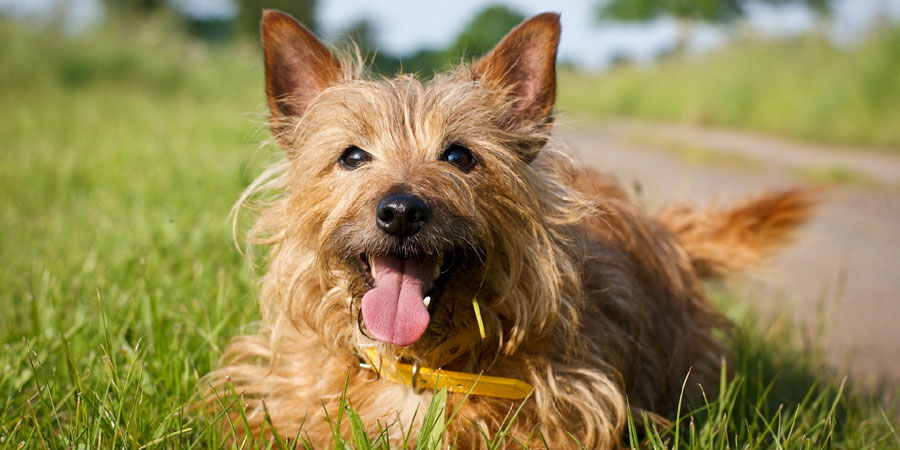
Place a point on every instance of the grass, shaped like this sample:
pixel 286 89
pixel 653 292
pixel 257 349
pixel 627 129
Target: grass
pixel 697 153
pixel 804 88
pixel 122 154
pixel 718 157
pixel 833 174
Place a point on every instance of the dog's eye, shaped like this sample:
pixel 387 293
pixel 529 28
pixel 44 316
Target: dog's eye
pixel 353 157
pixel 460 157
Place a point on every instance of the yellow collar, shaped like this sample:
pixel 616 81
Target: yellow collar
pixel 459 382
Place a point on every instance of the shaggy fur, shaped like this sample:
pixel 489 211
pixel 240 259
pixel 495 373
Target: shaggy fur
pixel 592 301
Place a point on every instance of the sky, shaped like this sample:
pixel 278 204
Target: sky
pixel 404 26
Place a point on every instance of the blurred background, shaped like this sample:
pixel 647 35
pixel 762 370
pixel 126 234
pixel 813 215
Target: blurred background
pixel 128 128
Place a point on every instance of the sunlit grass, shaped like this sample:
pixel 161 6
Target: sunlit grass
pixel 121 156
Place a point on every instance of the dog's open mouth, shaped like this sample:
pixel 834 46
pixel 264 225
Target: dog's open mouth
pixel 402 291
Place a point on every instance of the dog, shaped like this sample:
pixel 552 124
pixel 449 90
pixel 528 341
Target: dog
pixel 429 235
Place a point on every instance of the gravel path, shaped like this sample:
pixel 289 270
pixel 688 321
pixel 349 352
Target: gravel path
pixel 843 274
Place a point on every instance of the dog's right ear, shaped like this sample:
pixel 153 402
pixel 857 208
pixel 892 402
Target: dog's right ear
pixel 298 67
pixel 524 65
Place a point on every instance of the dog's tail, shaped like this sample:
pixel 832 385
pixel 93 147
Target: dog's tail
pixel 722 240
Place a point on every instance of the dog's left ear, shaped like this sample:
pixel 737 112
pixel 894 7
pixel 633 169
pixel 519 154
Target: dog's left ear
pixel 524 64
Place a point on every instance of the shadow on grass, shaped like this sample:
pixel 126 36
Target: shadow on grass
pixel 782 395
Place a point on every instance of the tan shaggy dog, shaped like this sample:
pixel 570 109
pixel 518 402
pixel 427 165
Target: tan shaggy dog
pixel 399 202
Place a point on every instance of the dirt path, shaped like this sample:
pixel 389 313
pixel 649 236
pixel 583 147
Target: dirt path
pixel 846 263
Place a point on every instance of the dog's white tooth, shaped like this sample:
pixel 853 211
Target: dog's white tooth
pixel 427 301
pixel 372 265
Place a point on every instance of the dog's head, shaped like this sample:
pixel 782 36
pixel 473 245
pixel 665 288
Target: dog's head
pixel 417 197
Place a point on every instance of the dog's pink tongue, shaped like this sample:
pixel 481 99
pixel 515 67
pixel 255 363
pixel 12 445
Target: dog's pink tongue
pixel 393 310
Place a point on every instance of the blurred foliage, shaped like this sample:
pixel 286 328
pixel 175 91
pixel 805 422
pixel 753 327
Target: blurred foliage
pixel 687 12
pixel 643 10
pixel 362 35
pixel 250 13
pixel 701 10
pixel 478 37
pixel 485 30
pixel 246 22
pixel 822 7
pixel 805 88
pixel 135 6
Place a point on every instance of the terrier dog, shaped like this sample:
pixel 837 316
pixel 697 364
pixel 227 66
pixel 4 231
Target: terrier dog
pixel 428 235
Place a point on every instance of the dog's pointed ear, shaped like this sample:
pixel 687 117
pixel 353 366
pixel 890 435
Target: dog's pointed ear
pixel 298 67
pixel 524 63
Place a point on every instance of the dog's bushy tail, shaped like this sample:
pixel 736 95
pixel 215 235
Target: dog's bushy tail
pixel 722 240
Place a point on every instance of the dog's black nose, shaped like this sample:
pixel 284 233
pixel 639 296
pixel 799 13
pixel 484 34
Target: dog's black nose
pixel 401 215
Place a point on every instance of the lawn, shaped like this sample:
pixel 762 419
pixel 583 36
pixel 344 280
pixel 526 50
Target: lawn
pixel 122 153
pixel 805 88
